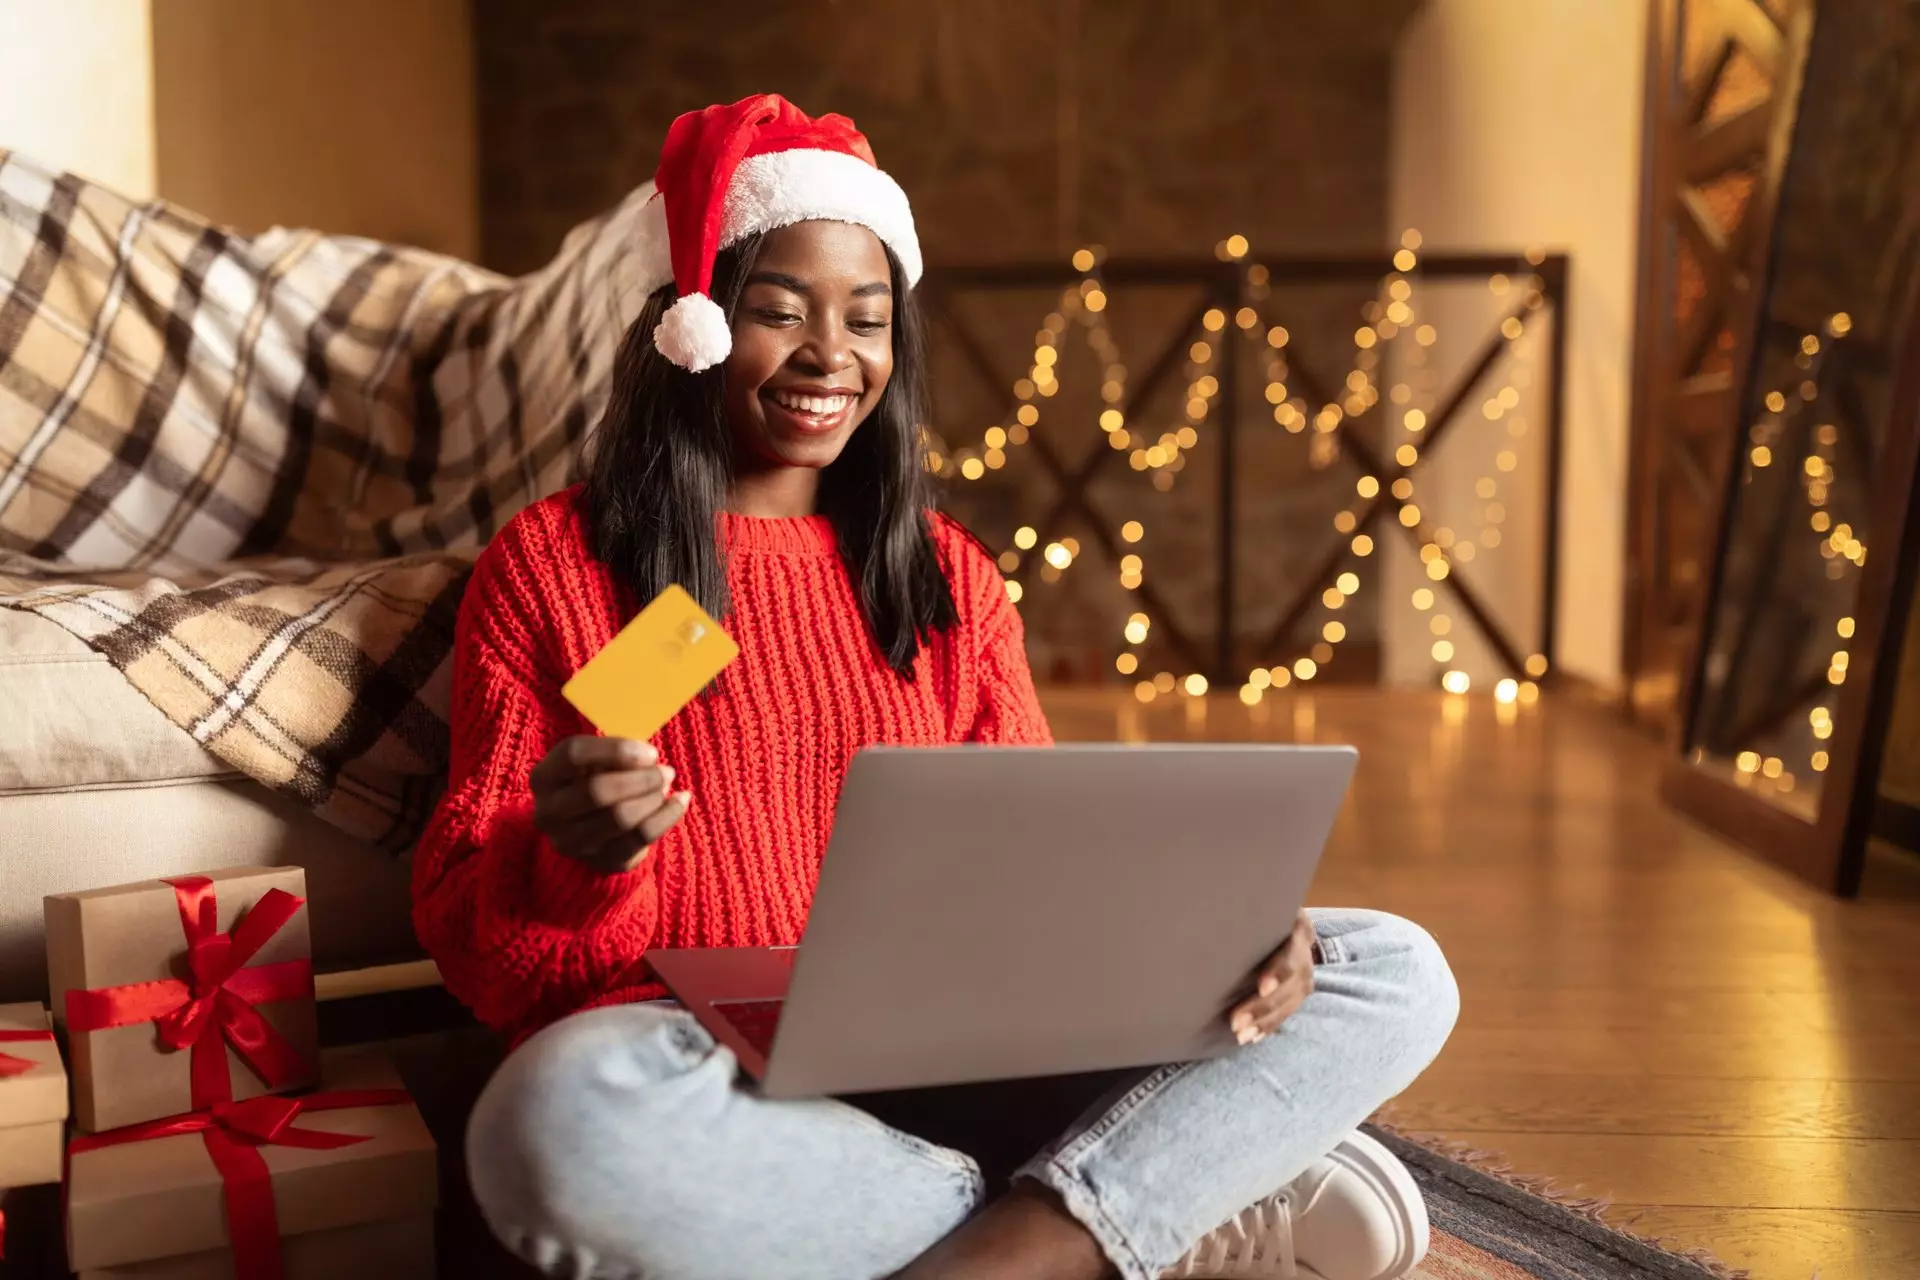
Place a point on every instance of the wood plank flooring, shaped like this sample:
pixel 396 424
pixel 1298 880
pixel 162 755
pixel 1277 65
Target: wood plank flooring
pixel 1648 1014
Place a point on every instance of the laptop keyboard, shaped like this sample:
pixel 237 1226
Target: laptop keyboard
pixel 755 1020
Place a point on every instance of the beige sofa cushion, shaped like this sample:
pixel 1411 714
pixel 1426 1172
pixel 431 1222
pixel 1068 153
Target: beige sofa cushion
pixel 68 719
pixel 57 841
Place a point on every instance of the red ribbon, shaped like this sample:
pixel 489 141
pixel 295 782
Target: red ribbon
pixel 216 1008
pixel 12 1066
pixel 234 1133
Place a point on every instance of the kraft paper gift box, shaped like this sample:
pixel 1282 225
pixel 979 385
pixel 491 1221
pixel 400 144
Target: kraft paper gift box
pixel 33 1097
pixel 337 1183
pixel 176 994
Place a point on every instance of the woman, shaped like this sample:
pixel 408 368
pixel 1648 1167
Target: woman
pixel 786 488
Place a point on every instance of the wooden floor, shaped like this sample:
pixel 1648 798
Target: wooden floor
pixel 1648 1014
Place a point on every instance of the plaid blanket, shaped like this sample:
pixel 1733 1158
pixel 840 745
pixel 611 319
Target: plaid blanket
pixel 254 472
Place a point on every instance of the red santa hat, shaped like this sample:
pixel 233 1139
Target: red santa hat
pixel 731 171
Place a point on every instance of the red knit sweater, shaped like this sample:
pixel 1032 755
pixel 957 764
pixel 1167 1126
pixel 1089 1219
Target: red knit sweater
pixel 524 935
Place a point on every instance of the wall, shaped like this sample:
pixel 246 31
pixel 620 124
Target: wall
pixel 76 88
pixel 353 116
pixel 1517 123
pixel 1016 127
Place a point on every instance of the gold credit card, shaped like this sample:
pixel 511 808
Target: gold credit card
pixel 656 665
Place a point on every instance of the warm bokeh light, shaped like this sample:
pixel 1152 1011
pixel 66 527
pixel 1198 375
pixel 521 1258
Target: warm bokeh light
pixel 1126 664
pixel 1508 690
pixel 1196 685
pixel 1456 682
pixel 1133 531
pixel 1015 591
pixel 1363 545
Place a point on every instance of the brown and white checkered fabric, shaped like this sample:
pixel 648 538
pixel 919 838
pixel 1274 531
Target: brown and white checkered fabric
pixel 253 472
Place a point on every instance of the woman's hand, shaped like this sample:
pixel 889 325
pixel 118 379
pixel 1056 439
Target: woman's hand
pixel 1282 986
pixel 602 801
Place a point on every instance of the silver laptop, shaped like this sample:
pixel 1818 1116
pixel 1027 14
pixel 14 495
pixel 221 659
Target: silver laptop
pixel 990 913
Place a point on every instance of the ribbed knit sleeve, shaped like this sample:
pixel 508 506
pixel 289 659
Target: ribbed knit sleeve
pixel 521 933
pixel 1006 709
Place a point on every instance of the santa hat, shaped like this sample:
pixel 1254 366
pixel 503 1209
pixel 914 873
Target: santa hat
pixel 729 172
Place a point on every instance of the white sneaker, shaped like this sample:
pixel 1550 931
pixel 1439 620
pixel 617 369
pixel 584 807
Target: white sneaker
pixel 1355 1214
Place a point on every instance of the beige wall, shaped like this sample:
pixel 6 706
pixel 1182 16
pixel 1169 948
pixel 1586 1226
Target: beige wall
pixel 76 88
pixel 352 116
pixel 1517 123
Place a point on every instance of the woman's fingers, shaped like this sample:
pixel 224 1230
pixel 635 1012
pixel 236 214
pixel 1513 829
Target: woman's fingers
pixel 592 793
pixel 1280 988
pixel 624 850
pixel 583 754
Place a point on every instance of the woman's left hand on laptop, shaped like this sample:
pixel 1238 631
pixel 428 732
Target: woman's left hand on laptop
pixel 1281 986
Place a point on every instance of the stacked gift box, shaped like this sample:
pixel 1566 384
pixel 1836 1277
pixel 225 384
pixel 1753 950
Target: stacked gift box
pixel 209 1135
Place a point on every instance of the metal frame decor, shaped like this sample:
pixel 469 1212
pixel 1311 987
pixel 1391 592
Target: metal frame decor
pixel 1231 307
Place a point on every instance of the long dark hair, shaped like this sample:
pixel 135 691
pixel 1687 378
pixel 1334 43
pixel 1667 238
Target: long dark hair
pixel 662 465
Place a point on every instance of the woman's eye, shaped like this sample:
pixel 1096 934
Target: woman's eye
pixel 773 315
pixel 867 325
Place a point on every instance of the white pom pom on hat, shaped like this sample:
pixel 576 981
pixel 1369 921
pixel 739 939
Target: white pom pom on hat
pixel 753 166
pixel 694 333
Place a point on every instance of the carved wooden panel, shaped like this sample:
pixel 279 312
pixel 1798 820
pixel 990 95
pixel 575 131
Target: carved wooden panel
pixel 1722 86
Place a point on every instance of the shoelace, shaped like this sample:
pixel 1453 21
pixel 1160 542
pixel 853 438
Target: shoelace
pixel 1255 1245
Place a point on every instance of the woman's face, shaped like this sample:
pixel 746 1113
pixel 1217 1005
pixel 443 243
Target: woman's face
pixel 812 345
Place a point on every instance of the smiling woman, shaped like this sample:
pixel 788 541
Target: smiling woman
pixel 815 412
pixel 762 448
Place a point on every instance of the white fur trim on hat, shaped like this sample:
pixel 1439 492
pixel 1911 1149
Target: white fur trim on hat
pixel 694 333
pixel 781 188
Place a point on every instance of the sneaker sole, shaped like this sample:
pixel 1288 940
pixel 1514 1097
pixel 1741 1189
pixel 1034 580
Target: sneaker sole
pixel 1389 1178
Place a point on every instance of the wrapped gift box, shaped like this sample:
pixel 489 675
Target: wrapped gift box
pixel 33 1097
pixel 341 1182
pixel 176 994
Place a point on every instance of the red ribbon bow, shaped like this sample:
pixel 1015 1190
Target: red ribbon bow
pixel 234 1133
pixel 12 1066
pixel 216 1008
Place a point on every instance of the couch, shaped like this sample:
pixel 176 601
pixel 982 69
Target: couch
pixel 242 479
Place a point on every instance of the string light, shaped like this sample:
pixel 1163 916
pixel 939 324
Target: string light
pixel 1838 543
pixel 1085 304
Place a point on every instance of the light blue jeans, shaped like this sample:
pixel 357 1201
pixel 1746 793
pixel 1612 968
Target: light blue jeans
pixel 619 1142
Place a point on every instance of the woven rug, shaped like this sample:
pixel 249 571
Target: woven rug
pixel 1489 1224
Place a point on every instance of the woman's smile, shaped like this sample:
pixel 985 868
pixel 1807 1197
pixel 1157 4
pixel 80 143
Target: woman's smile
pixel 811 409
